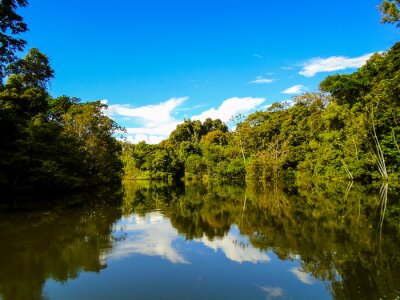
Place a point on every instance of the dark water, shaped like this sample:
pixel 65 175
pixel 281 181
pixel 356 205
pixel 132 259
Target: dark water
pixel 211 241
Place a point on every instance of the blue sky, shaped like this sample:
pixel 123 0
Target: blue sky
pixel 156 62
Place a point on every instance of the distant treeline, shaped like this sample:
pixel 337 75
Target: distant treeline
pixel 348 130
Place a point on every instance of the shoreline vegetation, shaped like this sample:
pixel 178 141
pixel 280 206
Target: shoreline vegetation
pixel 312 183
pixel 347 131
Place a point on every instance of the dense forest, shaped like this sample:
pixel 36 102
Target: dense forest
pixel 350 129
pixel 45 141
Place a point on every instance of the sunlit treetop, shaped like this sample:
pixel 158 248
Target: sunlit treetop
pixel 11 24
pixel 391 12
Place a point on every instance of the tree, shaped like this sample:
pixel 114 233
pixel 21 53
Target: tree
pixel 195 166
pixel 274 157
pixel 390 10
pixel 211 125
pixel 239 130
pixel 32 71
pixel 93 132
pixel 11 24
pixel 216 137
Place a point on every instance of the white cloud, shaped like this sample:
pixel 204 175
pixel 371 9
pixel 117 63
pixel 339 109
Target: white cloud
pixel 296 89
pixel 156 122
pixel 163 129
pixel 155 114
pixel 149 139
pixel 261 80
pixel 333 63
pixel 236 247
pixel 273 292
pixel 285 104
pixel 150 235
pixel 154 235
pixel 229 108
pixel 302 276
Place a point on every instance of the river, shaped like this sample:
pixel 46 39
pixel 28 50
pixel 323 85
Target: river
pixel 207 241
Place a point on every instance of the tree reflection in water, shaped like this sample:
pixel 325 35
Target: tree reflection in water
pixel 343 234
pixel 56 243
pixel 337 230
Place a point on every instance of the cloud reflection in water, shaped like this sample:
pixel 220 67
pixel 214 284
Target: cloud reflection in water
pixel 150 235
pixel 154 235
pixel 236 247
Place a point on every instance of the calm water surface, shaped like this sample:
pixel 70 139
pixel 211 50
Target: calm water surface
pixel 208 242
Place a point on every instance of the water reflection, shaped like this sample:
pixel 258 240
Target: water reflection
pixel 151 234
pixel 233 241
pixel 52 244
pixel 301 275
pixel 273 292
pixel 337 231
pixel 236 247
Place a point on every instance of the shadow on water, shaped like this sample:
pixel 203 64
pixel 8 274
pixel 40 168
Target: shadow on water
pixel 346 235
pixel 58 239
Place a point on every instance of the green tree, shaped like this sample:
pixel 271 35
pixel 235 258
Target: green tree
pixel 11 24
pixel 33 70
pixel 195 166
pixel 93 131
pixel 390 10
pixel 375 102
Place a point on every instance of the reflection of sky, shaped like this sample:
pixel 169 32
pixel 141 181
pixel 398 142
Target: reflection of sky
pixel 154 235
pixel 236 247
pixel 272 292
pixel 151 235
pixel 221 268
pixel 302 276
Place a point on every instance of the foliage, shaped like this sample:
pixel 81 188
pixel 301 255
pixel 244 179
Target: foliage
pixel 34 70
pixel 391 11
pixel 347 131
pixel 46 142
pixel 52 143
pixel 11 24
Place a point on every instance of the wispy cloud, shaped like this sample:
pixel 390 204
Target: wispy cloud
pixel 296 89
pixel 156 114
pixel 261 80
pixel 258 56
pixel 150 235
pixel 151 134
pixel 273 292
pixel 333 63
pixel 148 139
pixel 302 276
pixel 155 122
pixel 229 108
pixel 236 247
pixel 181 109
